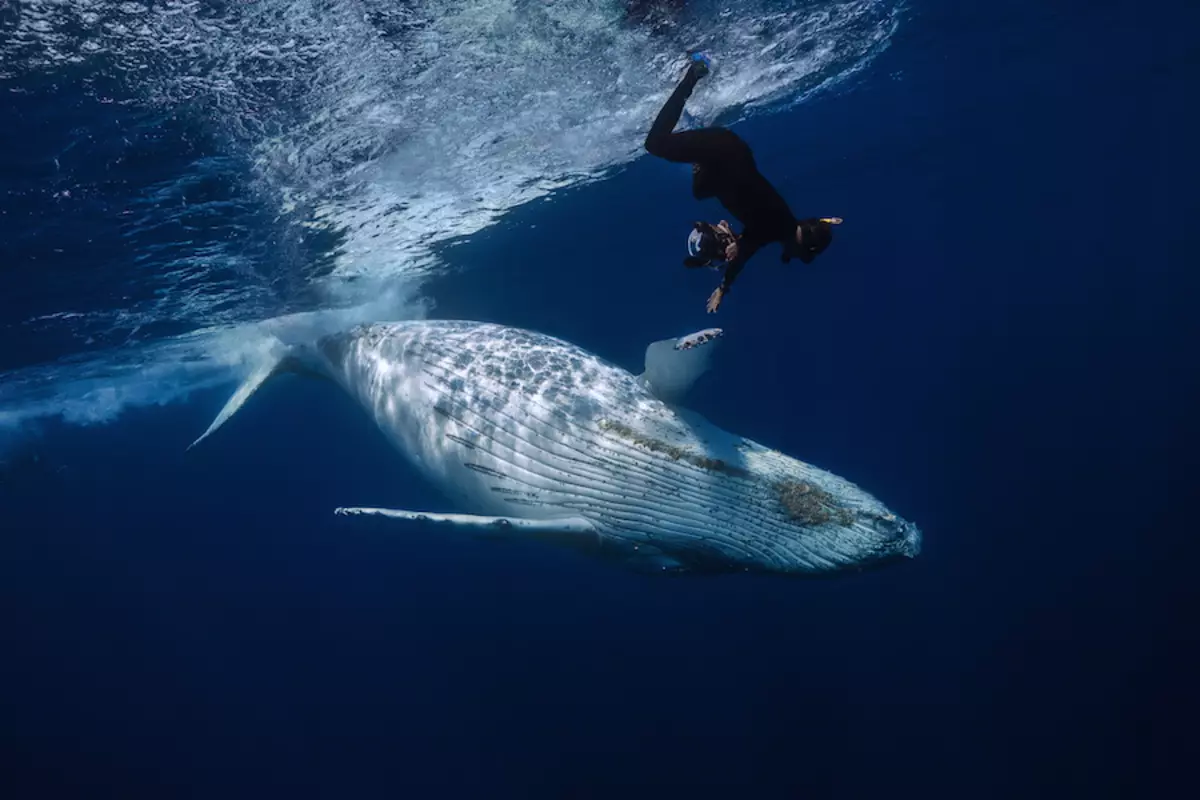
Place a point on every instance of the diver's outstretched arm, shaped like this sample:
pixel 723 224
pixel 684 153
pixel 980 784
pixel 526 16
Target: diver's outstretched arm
pixel 746 248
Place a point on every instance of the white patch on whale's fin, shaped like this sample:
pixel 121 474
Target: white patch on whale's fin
pixel 560 525
pixel 673 365
pixel 257 378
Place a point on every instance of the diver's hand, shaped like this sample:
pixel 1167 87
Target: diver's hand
pixel 714 300
pixel 731 249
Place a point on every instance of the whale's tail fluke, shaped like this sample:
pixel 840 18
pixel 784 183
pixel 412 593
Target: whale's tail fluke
pixel 249 386
pixel 281 361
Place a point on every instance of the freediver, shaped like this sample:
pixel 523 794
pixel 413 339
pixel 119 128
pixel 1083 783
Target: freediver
pixel 723 167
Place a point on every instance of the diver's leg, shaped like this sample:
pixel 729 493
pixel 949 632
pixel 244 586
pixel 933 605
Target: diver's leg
pixel 698 146
pixel 658 141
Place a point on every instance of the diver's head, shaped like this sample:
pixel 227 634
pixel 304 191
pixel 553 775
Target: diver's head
pixel 706 244
pixel 813 235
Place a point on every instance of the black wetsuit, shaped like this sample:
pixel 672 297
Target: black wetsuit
pixel 724 169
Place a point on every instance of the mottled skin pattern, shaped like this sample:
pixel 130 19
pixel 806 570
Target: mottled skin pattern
pixel 514 423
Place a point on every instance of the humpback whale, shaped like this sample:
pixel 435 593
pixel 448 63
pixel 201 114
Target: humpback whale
pixel 530 435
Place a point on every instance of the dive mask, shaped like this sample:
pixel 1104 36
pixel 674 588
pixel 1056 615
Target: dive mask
pixel 706 244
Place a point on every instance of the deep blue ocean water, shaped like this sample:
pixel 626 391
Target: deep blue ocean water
pixel 1000 344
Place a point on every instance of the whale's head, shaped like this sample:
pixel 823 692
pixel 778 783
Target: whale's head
pixel 717 502
pixel 837 526
pixel 801 519
pixel 758 510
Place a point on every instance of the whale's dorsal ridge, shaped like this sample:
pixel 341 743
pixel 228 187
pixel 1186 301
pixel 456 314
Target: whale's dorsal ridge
pixel 674 365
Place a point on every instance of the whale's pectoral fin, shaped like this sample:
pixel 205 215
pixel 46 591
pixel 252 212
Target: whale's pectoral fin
pixel 574 532
pixel 474 521
pixel 673 365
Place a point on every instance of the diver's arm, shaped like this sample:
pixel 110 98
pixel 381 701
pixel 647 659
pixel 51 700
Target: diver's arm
pixel 745 249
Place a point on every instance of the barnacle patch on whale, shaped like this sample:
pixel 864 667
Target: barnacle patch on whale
pixel 674 452
pixel 811 505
